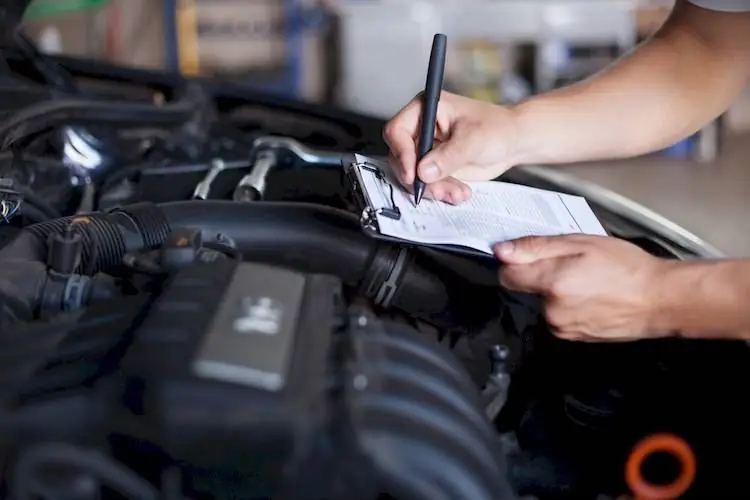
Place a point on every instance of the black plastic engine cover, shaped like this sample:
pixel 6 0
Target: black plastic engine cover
pixel 230 369
pixel 251 381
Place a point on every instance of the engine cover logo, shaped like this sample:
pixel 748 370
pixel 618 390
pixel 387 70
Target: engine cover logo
pixel 261 316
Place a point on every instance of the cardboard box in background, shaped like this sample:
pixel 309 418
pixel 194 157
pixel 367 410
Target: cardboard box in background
pixel 235 38
pixel 248 41
pixel 129 32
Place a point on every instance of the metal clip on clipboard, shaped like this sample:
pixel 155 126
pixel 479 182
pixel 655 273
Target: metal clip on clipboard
pixel 368 218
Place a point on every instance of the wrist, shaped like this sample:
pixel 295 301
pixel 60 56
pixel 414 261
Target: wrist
pixel 667 297
pixel 702 299
pixel 525 145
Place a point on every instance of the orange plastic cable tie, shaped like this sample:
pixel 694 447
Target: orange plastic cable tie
pixel 660 443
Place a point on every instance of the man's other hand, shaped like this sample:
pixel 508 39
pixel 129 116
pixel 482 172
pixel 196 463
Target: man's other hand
pixel 595 288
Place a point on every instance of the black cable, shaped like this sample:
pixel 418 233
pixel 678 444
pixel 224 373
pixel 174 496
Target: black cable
pixel 29 197
pixel 121 174
pixel 33 213
pixel 52 72
pixel 46 115
pixel 114 475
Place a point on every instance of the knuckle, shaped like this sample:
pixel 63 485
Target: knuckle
pixel 530 243
pixel 447 159
pixel 557 289
pixel 389 129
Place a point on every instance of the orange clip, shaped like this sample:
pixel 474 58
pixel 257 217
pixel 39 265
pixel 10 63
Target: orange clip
pixel 660 443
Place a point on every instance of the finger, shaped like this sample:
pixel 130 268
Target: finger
pixel 447 157
pixel 402 156
pixel 533 248
pixel 536 277
pixel 436 192
pixel 456 192
pixel 448 190
pixel 398 171
pixel 399 134
pixel 571 337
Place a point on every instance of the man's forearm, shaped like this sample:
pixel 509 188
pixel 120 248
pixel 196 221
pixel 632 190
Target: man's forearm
pixel 705 300
pixel 665 90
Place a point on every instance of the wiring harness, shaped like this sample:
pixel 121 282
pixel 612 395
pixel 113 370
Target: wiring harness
pixel 10 200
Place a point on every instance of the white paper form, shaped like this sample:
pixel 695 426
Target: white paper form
pixel 496 212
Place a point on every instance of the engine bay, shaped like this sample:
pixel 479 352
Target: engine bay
pixel 188 309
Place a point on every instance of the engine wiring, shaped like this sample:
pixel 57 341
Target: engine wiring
pixel 43 116
pixel 10 200
pixel 17 199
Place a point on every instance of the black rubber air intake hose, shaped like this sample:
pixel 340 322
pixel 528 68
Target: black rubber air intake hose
pixel 107 236
pixel 318 239
pixel 311 238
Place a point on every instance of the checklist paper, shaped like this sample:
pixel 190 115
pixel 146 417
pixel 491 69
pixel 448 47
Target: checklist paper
pixel 496 212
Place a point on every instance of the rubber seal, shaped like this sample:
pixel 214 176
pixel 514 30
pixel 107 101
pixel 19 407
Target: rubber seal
pixel 660 443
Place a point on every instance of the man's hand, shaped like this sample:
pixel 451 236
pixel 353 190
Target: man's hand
pixel 474 141
pixel 595 288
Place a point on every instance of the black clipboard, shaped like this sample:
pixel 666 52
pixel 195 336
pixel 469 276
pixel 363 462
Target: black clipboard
pixel 368 219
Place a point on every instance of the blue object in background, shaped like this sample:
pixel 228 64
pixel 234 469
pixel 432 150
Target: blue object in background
pixel 682 150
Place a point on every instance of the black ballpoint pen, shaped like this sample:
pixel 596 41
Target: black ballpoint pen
pixel 430 99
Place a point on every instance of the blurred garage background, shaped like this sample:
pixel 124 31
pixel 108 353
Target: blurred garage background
pixel 370 56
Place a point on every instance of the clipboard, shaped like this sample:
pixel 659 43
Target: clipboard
pixel 368 219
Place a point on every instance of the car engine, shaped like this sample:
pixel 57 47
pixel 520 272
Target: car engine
pixel 188 309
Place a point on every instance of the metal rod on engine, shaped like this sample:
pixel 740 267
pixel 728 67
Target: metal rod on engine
pixel 296 148
pixel 252 186
pixel 203 189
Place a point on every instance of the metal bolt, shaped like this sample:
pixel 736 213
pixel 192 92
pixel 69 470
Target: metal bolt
pixel 499 352
pixel 360 382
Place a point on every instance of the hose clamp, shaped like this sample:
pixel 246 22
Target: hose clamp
pixel 387 290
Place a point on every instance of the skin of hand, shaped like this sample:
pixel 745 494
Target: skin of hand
pixel 473 142
pixel 595 288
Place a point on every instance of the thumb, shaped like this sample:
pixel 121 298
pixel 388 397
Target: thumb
pixel 533 248
pixel 446 158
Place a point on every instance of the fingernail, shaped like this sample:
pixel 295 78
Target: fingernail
pixel 461 195
pixel 505 249
pixel 429 172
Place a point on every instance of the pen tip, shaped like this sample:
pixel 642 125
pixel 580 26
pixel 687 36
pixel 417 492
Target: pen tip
pixel 418 193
